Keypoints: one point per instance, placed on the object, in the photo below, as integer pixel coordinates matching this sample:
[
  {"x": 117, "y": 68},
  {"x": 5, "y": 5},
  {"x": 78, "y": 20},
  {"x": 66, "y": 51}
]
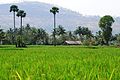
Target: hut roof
[{"x": 73, "y": 42}]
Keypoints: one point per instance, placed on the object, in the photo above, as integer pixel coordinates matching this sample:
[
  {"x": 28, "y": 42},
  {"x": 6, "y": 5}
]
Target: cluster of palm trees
[
  {"x": 35, "y": 36},
  {"x": 81, "y": 31},
  {"x": 39, "y": 36},
  {"x": 60, "y": 31},
  {"x": 21, "y": 14}
]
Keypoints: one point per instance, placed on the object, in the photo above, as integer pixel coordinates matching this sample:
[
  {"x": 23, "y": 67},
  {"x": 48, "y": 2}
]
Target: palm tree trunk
[
  {"x": 21, "y": 32},
  {"x": 14, "y": 30},
  {"x": 14, "y": 20},
  {"x": 54, "y": 31}
]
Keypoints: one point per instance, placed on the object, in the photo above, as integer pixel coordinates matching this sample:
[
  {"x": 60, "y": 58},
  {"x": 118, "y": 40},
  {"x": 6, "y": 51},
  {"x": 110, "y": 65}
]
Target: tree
[
  {"x": 14, "y": 8},
  {"x": 116, "y": 38},
  {"x": 21, "y": 14},
  {"x": 9, "y": 35},
  {"x": 54, "y": 10},
  {"x": 60, "y": 31},
  {"x": 42, "y": 36},
  {"x": 105, "y": 24},
  {"x": 32, "y": 35},
  {"x": 99, "y": 38},
  {"x": 87, "y": 32},
  {"x": 27, "y": 34},
  {"x": 2, "y": 36},
  {"x": 71, "y": 36},
  {"x": 81, "y": 31}
]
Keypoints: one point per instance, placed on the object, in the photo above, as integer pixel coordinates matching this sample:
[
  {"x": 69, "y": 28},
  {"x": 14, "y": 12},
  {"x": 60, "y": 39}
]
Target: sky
[{"x": 85, "y": 7}]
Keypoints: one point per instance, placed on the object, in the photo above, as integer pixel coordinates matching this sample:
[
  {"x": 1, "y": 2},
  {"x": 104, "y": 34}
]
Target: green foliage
[
  {"x": 42, "y": 36},
  {"x": 83, "y": 32},
  {"x": 2, "y": 36},
  {"x": 10, "y": 36},
  {"x": 61, "y": 34},
  {"x": 54, "y": 10},
  {"x": 71, "y": 36},
  {"x": 59, "y": 63},
  {"x": 21, "y": 13},
  {"x": 99, "y": 38},
  {"x": 14, "y": 8},
  {"x": 105, "y": 24},
  {"x": 86, "y": 42},
  {"x": 60, "y": 30},
  {"x": 117, "y": 39}
]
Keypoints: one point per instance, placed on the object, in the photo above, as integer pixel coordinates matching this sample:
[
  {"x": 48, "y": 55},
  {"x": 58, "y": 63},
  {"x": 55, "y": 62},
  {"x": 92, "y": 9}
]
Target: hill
[{"x": 38, "y": 15}]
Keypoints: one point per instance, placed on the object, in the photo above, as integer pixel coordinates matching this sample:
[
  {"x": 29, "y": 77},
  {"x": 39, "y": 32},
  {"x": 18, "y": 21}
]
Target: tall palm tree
[
  {"x": 14, "y": 8},
  {"x": 21, "y": 14},
  {"x": 54, "y": 10}
]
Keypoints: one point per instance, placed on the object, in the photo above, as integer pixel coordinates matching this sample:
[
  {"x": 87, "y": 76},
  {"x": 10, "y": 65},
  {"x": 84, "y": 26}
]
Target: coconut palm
[
  {"x": 14, "y": 8},
  {"x": 79, "y": 31},
  {"x": 61, "y": 30},
  {"x": 71, "y": 36},
  {"x": 21, "y": 14},
  {"x": 54, "y": 10},
  {"x": 42, "y": 36},
  {"x": 82, "y": 31}
]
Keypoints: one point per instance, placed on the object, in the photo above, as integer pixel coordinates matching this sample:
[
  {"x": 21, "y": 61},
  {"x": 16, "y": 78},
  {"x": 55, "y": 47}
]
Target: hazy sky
[{"x": 85, "y": 7}]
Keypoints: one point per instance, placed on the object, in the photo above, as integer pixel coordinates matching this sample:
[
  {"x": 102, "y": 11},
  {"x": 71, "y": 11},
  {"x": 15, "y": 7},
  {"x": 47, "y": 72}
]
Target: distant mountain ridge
[{"x": 38, "y": 15}]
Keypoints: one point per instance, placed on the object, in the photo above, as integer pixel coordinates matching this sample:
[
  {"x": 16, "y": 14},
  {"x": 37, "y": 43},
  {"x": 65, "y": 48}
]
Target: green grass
[{"x": 59, "y": 63}]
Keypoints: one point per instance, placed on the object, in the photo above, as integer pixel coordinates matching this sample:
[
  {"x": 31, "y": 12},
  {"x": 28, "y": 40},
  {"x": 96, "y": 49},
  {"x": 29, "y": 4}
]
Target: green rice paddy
[{"x": 59, "y": 63}]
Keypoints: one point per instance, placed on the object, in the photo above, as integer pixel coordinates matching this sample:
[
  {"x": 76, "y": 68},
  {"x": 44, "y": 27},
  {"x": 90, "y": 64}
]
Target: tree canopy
[
  {"x": 54, "y": 10},
  {"x": 105, "y": 24}
]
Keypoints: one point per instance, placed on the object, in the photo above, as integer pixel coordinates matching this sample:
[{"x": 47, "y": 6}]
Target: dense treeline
[
  {"x": 35, "y": 36},
  {"x": 27, "y": 35}
]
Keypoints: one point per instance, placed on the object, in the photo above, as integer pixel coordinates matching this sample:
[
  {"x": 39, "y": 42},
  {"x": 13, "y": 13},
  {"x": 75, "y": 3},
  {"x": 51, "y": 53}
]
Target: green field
[{"x": 59, "y": 63}]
